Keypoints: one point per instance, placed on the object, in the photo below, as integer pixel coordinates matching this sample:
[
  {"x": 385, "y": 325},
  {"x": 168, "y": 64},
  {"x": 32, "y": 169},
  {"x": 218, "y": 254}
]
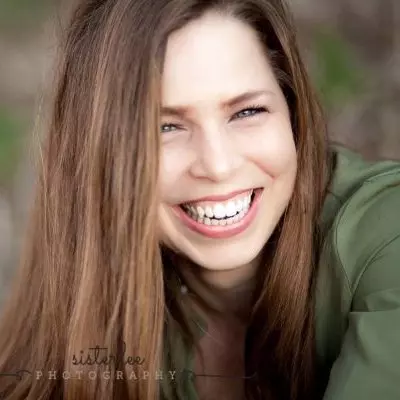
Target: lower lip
[{"x": 222, "y": 232}]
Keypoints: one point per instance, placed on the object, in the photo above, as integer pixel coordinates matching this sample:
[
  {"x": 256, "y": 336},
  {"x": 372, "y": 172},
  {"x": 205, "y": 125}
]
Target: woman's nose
[{"x": 217, "y": 157}]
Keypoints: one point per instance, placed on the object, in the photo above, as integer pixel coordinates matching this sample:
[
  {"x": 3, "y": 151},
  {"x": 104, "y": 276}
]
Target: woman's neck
[{"x": 229, "y": 292}]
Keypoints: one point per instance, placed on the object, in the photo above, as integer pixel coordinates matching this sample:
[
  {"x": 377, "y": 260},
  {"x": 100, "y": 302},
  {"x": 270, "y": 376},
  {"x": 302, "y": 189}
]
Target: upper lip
[{"x": 219, "y": 197}]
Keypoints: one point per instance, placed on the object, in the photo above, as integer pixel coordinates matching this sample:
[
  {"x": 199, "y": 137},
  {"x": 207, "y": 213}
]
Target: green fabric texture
[
  {"x": 358, "y": 290},
  {"x": 358, "y": 283}
]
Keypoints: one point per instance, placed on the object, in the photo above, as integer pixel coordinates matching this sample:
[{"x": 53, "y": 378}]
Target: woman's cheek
[
  {"x": 271, "y": 147},
  {"x": 173, "y": 166}
]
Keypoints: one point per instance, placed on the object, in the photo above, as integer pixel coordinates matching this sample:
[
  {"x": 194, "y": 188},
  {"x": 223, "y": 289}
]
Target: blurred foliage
[
  {"x": 337, "y": 75},
  {"x": 10, "y": 135}
]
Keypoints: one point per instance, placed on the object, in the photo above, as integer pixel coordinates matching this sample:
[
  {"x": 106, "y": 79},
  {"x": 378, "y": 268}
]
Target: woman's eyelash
[
  {"x": 251, "y": 111},
  {"x": 174, "y": 126}
]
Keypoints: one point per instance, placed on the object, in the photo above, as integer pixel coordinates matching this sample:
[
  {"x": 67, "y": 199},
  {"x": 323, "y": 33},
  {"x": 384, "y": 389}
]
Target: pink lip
[
  {"x": 222, "y": 232},
  {"x": 222, "y": 197}
]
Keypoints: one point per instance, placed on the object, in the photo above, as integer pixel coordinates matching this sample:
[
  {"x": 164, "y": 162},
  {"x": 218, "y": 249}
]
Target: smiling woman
[
  {"x": 191, "y": 213},
  {"x": 223, "y": 147}
]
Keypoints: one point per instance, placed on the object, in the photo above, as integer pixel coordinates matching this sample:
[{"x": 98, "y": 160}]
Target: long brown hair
[{"x": 93, "y": 271}]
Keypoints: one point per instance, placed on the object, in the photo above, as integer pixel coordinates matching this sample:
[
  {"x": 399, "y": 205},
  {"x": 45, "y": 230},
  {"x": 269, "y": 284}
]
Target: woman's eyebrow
[
  {"x": 182, "y": 111},
  {"x": 246, "y": 96}
]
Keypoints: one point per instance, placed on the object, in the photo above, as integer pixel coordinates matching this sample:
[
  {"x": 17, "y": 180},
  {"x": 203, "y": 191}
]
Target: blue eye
[
  {"x": 249, "y": 112},
  {"x": 166, "y": 128}
]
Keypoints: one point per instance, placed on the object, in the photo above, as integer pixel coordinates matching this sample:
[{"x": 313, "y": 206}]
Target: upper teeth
[{"x": 222, "y": 210}]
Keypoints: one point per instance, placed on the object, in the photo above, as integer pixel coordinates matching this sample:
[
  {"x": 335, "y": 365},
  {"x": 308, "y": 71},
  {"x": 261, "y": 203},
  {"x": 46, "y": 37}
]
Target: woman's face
[{"x": 228, "y": 156}]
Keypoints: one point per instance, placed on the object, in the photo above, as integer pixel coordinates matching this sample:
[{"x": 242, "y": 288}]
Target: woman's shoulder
[
  {"x": 359, "y": 265},
  {"x": 358, "y": 286},
  {"x": 355, "y": 178},
  {"x": 363, "y": 211}
]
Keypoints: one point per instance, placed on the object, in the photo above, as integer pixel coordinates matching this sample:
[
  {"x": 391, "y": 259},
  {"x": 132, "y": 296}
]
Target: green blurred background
[{"x": 351, "y": 47}]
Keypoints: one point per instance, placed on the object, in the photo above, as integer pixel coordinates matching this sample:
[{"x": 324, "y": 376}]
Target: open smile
[{"x": 221, "y": 219}]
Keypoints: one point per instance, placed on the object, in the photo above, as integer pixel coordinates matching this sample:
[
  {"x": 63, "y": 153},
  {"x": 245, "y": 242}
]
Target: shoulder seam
[
  {"x": 386, "y": 173},
  {"x": 340, "y": 216},
  {"x": 335, "y": 227},
  {"x": 371, "y": 258}
]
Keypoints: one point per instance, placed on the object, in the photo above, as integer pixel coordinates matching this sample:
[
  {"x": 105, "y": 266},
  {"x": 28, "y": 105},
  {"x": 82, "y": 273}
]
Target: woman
[{"x": 191, "y": 220}]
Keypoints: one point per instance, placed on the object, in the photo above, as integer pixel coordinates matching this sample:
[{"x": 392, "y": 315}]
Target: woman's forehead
[{"x": 214, "y": 58}]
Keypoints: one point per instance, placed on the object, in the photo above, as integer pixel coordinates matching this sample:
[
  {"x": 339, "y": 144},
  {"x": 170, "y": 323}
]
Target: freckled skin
[{"x": 211, "y": 150}]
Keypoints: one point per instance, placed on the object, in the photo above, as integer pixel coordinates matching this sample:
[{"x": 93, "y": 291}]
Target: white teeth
[
  {"x": 200, "y": 212},
  {"x": 209, "y": 212},
  {"x": 239, "y": 206},
  {"x": 219, "y": 222},
  {"x": 219, "y": 211},
  {"x": 223, "y": 212},
  {"x": 230, "y": 209}
]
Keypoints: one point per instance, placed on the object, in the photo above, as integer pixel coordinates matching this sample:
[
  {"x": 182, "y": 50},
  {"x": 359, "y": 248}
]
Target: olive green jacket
[
  {"x": 358, "y": 283},
  {"x": 358, "y": 290}
]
